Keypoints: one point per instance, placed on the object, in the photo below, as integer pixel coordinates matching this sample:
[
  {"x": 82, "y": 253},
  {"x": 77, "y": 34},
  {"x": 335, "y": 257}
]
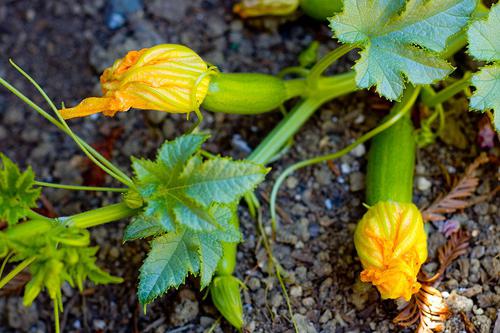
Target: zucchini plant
[{"x": 185, "y": 201}]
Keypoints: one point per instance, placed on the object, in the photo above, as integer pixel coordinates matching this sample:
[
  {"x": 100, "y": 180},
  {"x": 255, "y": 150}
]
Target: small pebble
[
  {"x": 423, "y": 184},
  {"x": 345, "y": 168},
  {"x": 308, "y": 302},
  {"x": 356, "y": 181},
  {"x": 296, "y": 291},
  {"x": 359, "y": 151},
  {"x": 459, "y": 303},
  {"x": 254, "y": 284}
]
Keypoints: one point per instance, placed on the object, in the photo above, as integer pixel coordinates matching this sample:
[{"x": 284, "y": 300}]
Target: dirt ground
[{"x": 65, "y": 45}]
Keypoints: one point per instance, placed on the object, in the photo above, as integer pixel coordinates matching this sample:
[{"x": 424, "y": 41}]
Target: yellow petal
[
  {"x": 107, "y": 105},
  {"x": 392, "y": 245},
  {"x": 167, "y": 77}
]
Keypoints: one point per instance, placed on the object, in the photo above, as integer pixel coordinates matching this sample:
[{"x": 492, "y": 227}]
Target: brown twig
[
  {"x": 454, "y": 248},
  {"x": 459, "y": 194}
]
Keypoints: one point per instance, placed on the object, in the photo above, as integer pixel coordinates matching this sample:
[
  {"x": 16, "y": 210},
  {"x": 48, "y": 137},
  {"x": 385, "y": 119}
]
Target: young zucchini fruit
[
  {"x": 390, "y": 238},
  {"x": 246, "y": 93},
  {"x": 321, "y": 9},
  {"x": 225, "y": 288}
]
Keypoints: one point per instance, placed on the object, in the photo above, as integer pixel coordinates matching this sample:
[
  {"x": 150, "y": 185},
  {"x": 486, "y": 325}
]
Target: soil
[{"x": 64, "y": 45}]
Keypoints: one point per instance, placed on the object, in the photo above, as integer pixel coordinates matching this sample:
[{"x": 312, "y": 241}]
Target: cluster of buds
[
  {"x": 392, "y": 245},
  {"x": 166, "y": 77},
  {"x": 254, "y": 8}
]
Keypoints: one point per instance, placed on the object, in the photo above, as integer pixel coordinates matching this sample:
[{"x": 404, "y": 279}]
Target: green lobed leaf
[
  {"x": 175, "y": 255},
  {"x": 210, "y": 250},
  {"x": 400, "y": 39},
  {"x": 190, "y": 210},
  {"x": 17, "y": 194},
  {"x": 484, "y": 44},
  {"x": 222, "y": 180},
  {"x": 171, "y": 258},
  {"x": 483, "y": 35},
  {"x": 180, "y": 192},
  {"x": 143, "y": 226}
]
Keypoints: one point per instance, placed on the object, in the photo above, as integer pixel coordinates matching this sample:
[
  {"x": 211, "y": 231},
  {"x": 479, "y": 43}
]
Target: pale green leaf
[
  {"x": 210, "y": 254},
  {"x": 484, "y": 36},
  {"x": 487, "y": 94},
  {"x": 484, "y": 44},
  {"x": 142, "y": 227},
  {"x": 400, "y": 39},
  {"x": 180, "y": 193},
  {"x": 175, "y": 154},
  {"x": 171, "y": 258},
  {"x": 17, "y": 194},
  {"x": 222, "y": 180}
]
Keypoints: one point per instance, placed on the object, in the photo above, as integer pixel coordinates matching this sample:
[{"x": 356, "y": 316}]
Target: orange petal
[{"x": 107, "y": 105}]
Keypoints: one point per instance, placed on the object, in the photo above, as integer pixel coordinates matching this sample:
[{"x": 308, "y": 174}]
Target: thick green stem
[
  {"x": 279, "y": 136},
  {"x": 448, "y": 92},
  {"x": 100, "y": 216},
  {"x": 87, "y": 219},
  {"x": 326, "y": 61}
]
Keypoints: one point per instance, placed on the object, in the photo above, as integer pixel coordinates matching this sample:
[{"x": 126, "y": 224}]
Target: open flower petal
[{"x": 167, "y": 77}]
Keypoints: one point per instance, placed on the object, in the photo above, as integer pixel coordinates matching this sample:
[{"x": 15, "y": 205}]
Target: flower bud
[
  {"x": 166, "y": 77},
  {"x": 392, "y": 245},
  {"x": 253, "y": 8},
  {"x": 225, "y": 291}
]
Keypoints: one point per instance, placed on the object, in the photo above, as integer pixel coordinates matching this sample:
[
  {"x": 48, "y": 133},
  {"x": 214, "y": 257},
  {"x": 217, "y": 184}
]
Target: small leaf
[
  {"x": 175, "y": 154},
  {"x": 143, "y": 227},
  {"x": 210, "y": 254},
  {"x": 172, "y": 257},
  {"x": 400, "y": 39},
  {"x": 487, "y": 94},
  {"x": 17, "y": 194},
  {"x": 484, "y": 44}
]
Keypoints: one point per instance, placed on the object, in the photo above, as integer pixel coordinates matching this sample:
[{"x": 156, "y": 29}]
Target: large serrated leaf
[
  {"x": 484, "y": 44},
  {"x": 180, "y": 192},
  {"x": 142, "y": 227},
  {"x": 174, "y": 155},
  {"x": 210, "y": 254},
  {"x": 171, "y": 258},
  {"x": 222, "y": 180},
  {"x": 483, "y": 35},
  {"x": 17, "y": 194},
  {"x": 400, "y": 39}
]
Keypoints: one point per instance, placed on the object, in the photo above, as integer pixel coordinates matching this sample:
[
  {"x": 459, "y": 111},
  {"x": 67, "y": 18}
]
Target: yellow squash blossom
[
  {"x": 392, "y": 245},
  {"x": 253, "y": 8},
  {"x": 166, "y": 77}
]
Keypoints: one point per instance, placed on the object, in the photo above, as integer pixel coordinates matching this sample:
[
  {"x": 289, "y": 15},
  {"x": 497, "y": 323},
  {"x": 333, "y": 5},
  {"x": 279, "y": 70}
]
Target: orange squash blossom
[
  {"x": 392, "y": 245},
  {"x": 166, "y": 77}
]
